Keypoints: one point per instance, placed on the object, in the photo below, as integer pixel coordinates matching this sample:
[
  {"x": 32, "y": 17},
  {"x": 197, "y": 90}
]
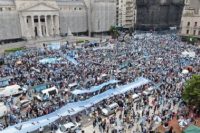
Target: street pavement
[{"x": 88, "y": 126}]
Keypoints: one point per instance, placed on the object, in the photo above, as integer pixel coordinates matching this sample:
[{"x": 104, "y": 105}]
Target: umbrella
[
  {"x": 182, "y": 123},
  {"x": 185, "y": 71},
  {"x": 189, "y": 68},
  {"x": 192, "y": 129},
  {"x": 19, "y": 62},
  {"x": 157, "y": 119}
]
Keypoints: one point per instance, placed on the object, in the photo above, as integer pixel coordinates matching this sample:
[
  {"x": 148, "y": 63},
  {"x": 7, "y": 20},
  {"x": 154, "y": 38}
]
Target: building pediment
[{"x": 41, "y": 7}]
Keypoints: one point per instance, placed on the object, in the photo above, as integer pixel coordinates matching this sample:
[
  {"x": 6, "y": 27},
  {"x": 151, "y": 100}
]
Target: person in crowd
[{"x": 157, "y": 57}]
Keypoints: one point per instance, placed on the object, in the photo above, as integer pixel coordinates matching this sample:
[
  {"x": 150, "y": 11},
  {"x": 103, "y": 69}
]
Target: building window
[
  {"x": 80, "y": 9},
  {"x": 75, "y": 8},
  {"x": 9, "y": 9},
  {"x": 36, "y": 20},
  {"x": 194, "y": 32},
  {"x": 188, "y": 24},
  {"x": 1, "y": 9},
  {"x": 187, "y": 32},
  {"x": 195, "y": 24},
  {"x": 42, "y": 20}
]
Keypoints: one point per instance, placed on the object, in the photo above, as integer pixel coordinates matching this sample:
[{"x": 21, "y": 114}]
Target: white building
[
  {"x": 190, "y": 22},
  {"x": 103, "y": 15},
  {"x": 126, "y": 13},
  {"x": 43, "y": 18}
]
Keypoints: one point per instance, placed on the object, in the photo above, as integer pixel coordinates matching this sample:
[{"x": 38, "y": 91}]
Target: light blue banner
[
  {"x": 94, "y": 88},
  {"x": 73, "y": 108},
  {"x": 72, "y": 60},
  {"x": 49, "y": 60}
]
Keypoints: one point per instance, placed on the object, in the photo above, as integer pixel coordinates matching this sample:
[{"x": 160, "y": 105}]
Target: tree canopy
[
  {"x": 191, "y": 93},
  {"x": 191, "y": 39},
  {"x": 114, "y": 32}
]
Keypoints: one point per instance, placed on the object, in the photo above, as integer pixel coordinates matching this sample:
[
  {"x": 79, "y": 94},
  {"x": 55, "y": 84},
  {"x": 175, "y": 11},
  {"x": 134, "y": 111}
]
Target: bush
[
  {"x": 87, "y": 41},
  {"x": 12, "y": 50},
  {"x": 191, "y": 39},
  {"x": 114, "y": 32},
  {"x": 80, "y": 41}
]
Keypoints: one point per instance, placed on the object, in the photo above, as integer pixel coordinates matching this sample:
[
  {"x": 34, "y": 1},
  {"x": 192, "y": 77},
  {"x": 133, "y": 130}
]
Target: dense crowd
[{"x": 156, "y": 57}]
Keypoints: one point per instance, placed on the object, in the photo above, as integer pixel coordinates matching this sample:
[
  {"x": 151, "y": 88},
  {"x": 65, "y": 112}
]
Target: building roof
[
  {"x": 59, "y": 2},
  {"x": 104, "y": 1},
  {"x": 7, "y": 3},
  {"x": 70, "y": 2}
]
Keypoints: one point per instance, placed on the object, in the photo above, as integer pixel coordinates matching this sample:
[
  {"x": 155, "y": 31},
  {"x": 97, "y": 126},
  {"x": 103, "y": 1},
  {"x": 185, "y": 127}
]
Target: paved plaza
[{"x": 133, "y": 86}]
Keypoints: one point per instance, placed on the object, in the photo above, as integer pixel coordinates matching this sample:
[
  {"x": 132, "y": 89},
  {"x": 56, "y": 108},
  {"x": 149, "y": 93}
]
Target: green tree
[
  {"x": 191, "y": 39},
  {"x": 191, "y": 93},
  {"x": 114, "y": 32}
]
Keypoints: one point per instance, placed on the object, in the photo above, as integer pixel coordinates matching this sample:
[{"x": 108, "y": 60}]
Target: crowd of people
[{"x": 157, "y": 57}]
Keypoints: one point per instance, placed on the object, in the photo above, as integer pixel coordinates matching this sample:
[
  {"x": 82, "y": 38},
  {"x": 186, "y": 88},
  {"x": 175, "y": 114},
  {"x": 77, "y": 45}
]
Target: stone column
[
  {"x": 57, "y": 25},
  {"x": 39, "y": 28},
  {"x": 33, "y": 26},
  {"x": 46, "y": 26},
  {"x": 52, "y": 25},
  {"x": 25, "y": 26}
]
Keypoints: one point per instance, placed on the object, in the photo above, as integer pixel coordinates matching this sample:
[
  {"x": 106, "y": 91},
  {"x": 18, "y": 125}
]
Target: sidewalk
[{"x": 39, "y": 42}]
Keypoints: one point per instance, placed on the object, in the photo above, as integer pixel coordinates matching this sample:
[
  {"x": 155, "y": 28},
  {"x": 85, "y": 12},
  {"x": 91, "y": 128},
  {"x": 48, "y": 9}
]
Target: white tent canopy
[
  {"x": 189, "y": 54},
  {"x": 185, "y": 71},
  {"x": 183, "y": 123}
]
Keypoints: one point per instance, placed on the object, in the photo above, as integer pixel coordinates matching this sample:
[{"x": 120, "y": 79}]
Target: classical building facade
[
  {"x": 190, "y": 22},
  {"x": 126, "y": 13},
  {"x": 43, "y": 18}
]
